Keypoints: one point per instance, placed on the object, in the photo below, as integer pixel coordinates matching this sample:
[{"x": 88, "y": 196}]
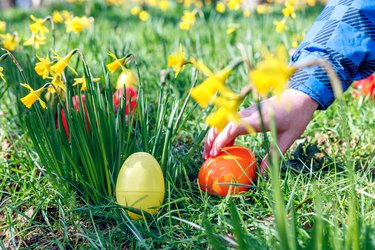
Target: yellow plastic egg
[{"x": 140, "y": 184}]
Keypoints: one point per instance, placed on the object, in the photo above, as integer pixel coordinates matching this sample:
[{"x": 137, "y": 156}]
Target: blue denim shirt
[{"x": 344, "y": 34}]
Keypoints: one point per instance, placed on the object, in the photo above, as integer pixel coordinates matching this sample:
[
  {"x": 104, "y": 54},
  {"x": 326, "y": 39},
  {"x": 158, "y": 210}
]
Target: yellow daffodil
[
  {"x": 288, "y": 11},
  {"x": 271, "y": 74},
  {"x": 204, "y": 92},
  {"x": 62, "y": 63},
  {"x": 10, "y": 42},
  {"x": 135, "y": 11},
  {"x": 35, "y": 40},
  {"x": 57, "y": 17},
  {"x": 220, "y": 7},
  {"x": 296, "y": 39},
  {"x": 38, "y": 25},
  {"x": 234, "y": 4},
  {"x": 87, "y": 22},
  {"x": 57, "y": 85},
  {"x": 187, "y": 20},
  {"x": 127, "y": 79},
  {"x": 177, "y": 61},
  {"x": 116, "y": 64},
  {"x": 33, "y": 96},
  {"x": 1, "y": 74},
  {"x": 280, "y": 25},
  {"x": 3, "y": 26},
  {"x": 78, "y": 24},
  {"x": 227, "y": 111},
  {"x": 66, "y": 15},
  {"x": 43, "y": 67},
  {"x": 189, "y": 16},
  {"x": 83, "y": 81},
  {"x": 263, "y": 9},
  {"x": 232, "y": 28},
  {"x": 144, "y": 15},
  {"x": 164, "y": 5},
  {"x": 246, "y": 13}
]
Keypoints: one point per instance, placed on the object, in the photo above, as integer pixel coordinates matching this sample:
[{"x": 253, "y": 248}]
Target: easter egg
[
  {"x": 233, "y": 165},
  {"x": 365, "y": 86},
  {"x": 140, "y": 184}
]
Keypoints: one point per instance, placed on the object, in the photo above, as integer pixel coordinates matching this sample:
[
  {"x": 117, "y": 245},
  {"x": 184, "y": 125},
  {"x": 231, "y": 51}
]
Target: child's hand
[{"x": 292, "y": 111}]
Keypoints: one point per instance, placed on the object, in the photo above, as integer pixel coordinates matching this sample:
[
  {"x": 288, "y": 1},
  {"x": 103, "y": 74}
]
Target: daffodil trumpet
[
  {"x": 118, "y": 62},
  {"x": 33, "y": 96},
  {"x": 62, "y": 63}
]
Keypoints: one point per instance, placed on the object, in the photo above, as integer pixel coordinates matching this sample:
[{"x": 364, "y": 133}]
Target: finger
[
  {"x": 210, "y": 138},
  {"x": 224, "y": 138}
]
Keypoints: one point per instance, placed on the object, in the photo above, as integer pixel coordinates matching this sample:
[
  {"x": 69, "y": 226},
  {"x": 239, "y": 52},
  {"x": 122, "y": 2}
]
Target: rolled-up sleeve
[{"x": 343, "y": 34}]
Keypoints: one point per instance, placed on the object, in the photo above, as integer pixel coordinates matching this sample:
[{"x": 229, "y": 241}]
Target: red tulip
[
  {"x": 131, "y": 95},
  {"x": 76, "y": 104}
]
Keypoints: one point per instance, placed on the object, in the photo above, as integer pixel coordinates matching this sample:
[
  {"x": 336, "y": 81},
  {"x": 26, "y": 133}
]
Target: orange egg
[{"x": 233, "y": 165}]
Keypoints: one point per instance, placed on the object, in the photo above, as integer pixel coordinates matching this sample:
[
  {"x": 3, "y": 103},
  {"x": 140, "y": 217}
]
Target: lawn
[{"x": 59, "y": 164}]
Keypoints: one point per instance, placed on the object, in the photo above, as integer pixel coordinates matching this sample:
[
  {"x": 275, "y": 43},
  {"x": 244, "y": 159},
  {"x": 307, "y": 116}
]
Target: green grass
[{"x": 332, "y": 208}]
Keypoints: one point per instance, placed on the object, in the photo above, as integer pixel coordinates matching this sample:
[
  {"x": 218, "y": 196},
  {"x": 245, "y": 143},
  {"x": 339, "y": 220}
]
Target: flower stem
[{"x": 20, "y": 69}]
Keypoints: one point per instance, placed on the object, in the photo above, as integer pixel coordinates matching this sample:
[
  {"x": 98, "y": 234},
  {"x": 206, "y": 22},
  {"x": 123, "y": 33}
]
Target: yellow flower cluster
[
  {"x": 142, "y": 14},
  {"x": 227, "y": 103},
  {"x": 140, "y": 8},
  {"x": 269, "y": 75},
  {"x": 78, "y": 24},
  {"x": 38, "y": 31},
  {"x": 72, "y": 23},
  {"x": 9, "y": 41},
  {"x": 54, "y": 71},
  {"x": 296, "y": 39},
  {"x": 187, "y": 20},
  {"x": 288, "y": 12}
]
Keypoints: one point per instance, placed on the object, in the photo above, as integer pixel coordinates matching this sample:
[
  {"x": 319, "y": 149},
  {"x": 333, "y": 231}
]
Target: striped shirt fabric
[{"x": 343, "y": 34}]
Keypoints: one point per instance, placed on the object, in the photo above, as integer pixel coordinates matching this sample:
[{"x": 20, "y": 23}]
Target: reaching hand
[{"x": 292, "y": 111}]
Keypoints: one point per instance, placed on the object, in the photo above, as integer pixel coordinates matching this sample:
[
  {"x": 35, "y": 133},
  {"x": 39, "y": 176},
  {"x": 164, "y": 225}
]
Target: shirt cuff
[{"x": 313, "y": 80}]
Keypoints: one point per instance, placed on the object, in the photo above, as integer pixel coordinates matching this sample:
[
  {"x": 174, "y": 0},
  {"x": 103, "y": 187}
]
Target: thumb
[{"x": 225, "y": 138}]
